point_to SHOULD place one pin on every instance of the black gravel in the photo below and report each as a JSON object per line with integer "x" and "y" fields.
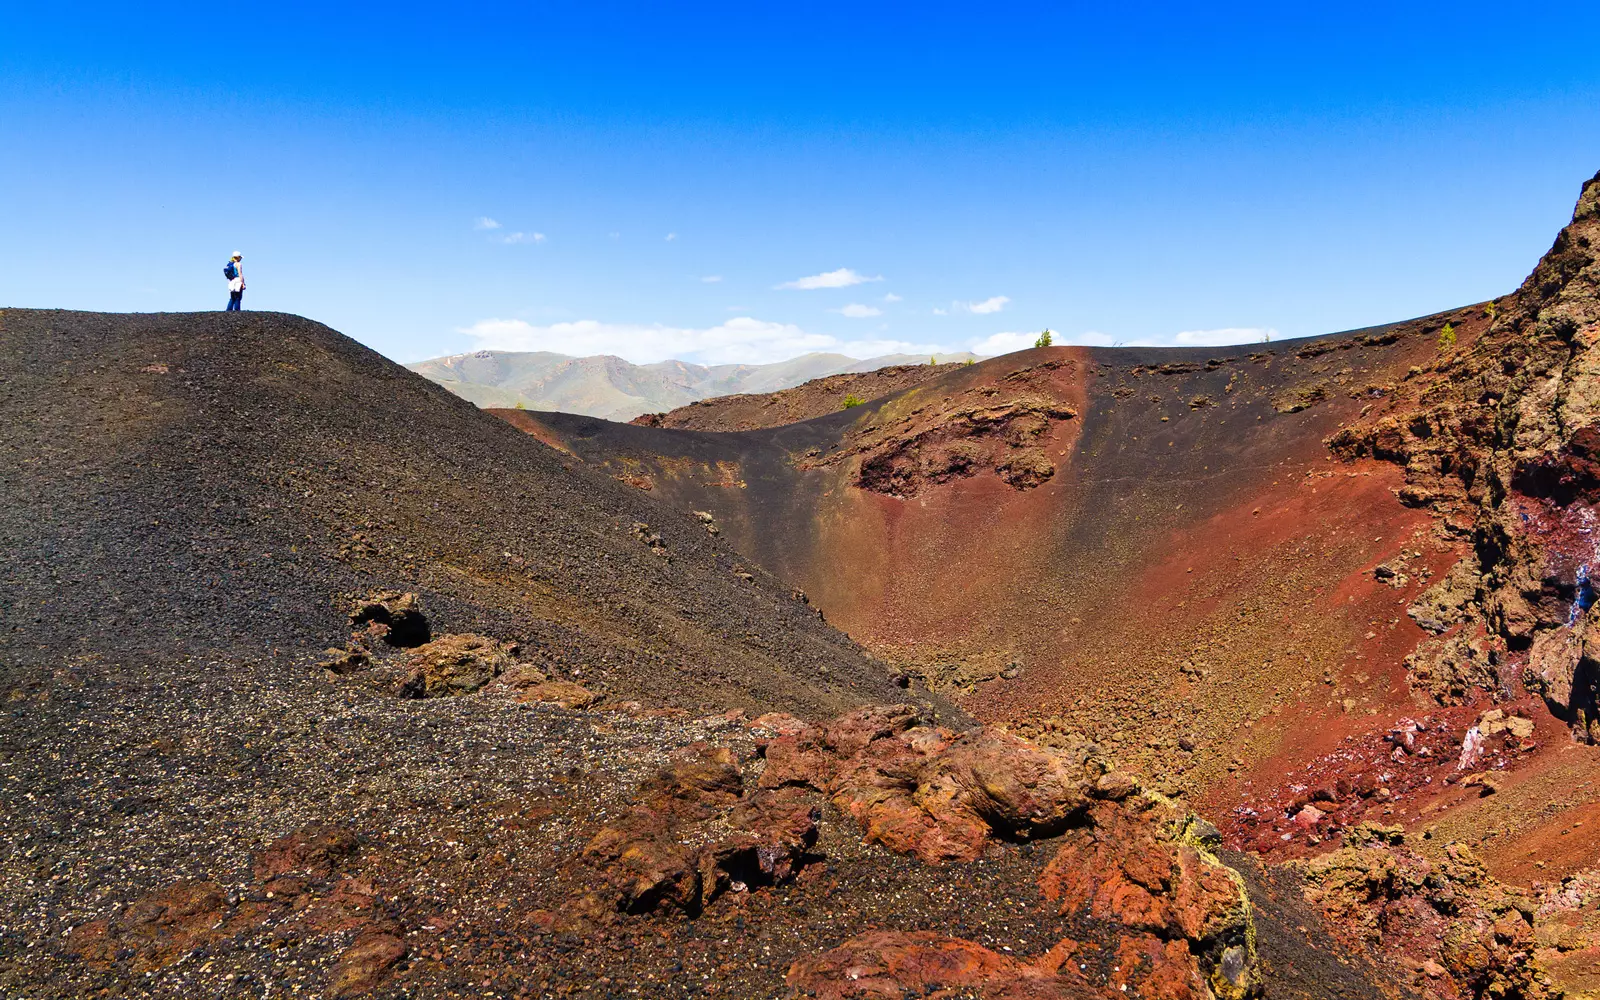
{"x": 217, "y": 483}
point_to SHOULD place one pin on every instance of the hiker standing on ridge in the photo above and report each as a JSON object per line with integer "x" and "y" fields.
{"x": 235, "y": 275}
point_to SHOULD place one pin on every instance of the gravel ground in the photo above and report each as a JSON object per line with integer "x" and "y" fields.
{"x": 120, "y": 780}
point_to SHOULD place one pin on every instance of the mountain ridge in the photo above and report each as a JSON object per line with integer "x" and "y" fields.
{"x": 613, "y": 388}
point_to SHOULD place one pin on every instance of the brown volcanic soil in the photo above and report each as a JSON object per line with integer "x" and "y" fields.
{"x": 749, "y": 411}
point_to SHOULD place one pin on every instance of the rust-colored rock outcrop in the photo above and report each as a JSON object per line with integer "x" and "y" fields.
{"x": 452, "y": 665}
{"x": 1456, "y": 929}
{"x": 1129, "y": 860}
{"x": 922, "y": 963}
{"x": 928, "y": 791}
{"x": 1142, "y": 864}
{"x": 1500, "y": 437}
{"x": 694, "y": 832}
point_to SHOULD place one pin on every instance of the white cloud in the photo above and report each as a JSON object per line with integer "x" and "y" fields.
{"x": 1004, "y": 343}
{"x": 671, "y": 237}
{"x": 940, "y": 312}
{"x": 856, "y": 310}
{"x": 712, "y": 279}
{"x": 891, "y": 297}
{"x": 842, "y": 278}
{"x": 1017, "y": 340}
{"x": 484, "y": 222}
{"x": 983, "y": 308}
{"x": 523, "y": 238}
{"x": 742, "y": 340}
{"x": 1224, "y": 337}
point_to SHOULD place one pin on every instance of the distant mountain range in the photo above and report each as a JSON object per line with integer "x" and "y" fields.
{"x": 609, "y": 387}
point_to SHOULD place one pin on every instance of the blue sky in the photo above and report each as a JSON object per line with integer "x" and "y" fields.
{"x": 721, "y": 183}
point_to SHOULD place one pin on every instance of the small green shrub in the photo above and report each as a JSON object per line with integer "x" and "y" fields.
{"x": 933, "y": 360}
{"x": 521, "y": 405}
{"x": 1447, "y": 337}
{"x": 969, "y": 362}
{"x": 851, "y": 400}
{"x": 1045, "y": 339}
{"x": 1489, "y": 310}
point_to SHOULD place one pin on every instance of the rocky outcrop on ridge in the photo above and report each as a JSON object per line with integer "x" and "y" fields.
{"x": 1498, "y": 438}
{"x": 818, "y": 397}
{"x": 915, "y": 441}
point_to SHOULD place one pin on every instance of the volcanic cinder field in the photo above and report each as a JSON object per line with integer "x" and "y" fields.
{"x": 1182, "y": 674}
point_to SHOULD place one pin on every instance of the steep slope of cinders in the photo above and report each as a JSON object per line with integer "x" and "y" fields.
{"x": 1149, "y": 547}
{"x": 225, "y": 484}
{"x": 818, "y": 397}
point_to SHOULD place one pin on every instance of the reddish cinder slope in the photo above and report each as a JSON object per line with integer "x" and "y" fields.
{"x": 818, "y": 397}
{"x": 1318, "y": 585}
{"x": 1149, "y": 547}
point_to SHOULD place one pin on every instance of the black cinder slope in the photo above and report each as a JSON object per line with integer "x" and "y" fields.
{"x": 225, "y": 484}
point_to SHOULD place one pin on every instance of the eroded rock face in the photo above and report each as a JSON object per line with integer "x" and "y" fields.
{"x": 694, "y": 832}
{"x": 1144, "y": 864}
{"x": 1501, "y": 438}
{"x": 964, "y": 441}
{"x": 453, "y": 665}
{"x": 914, "y": 442}
{"x": 1458, "y": 930}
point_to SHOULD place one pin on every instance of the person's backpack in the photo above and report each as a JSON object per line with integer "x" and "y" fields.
{"x": 229, "y": 271}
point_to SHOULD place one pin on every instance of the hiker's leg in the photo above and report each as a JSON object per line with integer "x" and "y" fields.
{"x": 233, "y": 301}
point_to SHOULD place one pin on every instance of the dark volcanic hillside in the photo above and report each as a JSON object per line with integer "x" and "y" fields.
{"x": 179, "y": 482}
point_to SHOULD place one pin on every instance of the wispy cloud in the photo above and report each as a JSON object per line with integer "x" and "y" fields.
{"x": 523, "y": 238}
{"x": 1005, "y": 343}
{"x": 741, "y": 340}
{"x": 891, "y": 297}
{"x": 1224, "y": 337}
{"x": 484, "y": 222}
{"x": 856, "y": 310}
{"x": 984, "y": 308}
{"x": 671, "y": 237}
{"x": 712, "y": 279}
{"x": 940, "y": 312}
{"x": 842, "y": 278}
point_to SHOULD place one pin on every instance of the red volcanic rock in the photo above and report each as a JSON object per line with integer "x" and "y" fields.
{"x": 316, "y": 850}
{"x": 368, "y": 961}
{"x": 693, "y": 832}
{"x": 1136, "y": 865}
{"x": 929, "y": 792}
{"x": 921, "y": 963}
{"x": 156, "y": 930}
